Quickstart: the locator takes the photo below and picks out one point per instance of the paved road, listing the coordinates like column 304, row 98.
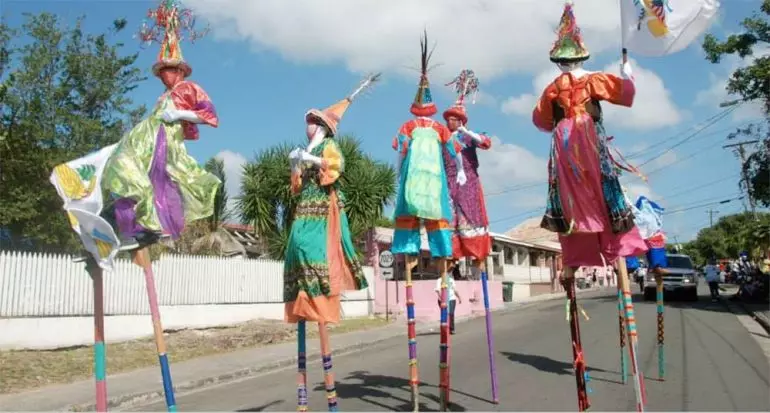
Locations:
column 713, row 364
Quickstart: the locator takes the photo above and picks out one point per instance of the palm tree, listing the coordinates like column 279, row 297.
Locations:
column 208, row 237
column 267, row 203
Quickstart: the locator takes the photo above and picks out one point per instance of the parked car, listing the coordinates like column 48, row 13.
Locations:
column 682, row 278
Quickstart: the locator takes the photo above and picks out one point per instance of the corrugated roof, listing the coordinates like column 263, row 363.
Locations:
column 531, row 232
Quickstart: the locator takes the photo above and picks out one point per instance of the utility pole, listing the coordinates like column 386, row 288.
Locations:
column 741, row 151
column 711, row 213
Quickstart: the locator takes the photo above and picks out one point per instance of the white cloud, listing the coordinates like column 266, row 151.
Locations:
column 233, row 170
column 519, row 105
column 505, row 166
column 637, row 189
column 496, row 37
column 716, row 93
column 653, row 107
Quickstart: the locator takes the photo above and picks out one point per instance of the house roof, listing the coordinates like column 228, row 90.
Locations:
column 385, row 236
column 531, row 232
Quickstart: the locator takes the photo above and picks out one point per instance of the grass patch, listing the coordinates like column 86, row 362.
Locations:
column 28, row 369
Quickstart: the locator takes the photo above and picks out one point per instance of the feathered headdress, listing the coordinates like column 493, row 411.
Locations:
column 423, row 101
column 169, row 21
column 465, row 84
column 569, row 46
column 332, row 115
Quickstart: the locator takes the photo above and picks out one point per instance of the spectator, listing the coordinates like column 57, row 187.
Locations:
column 712, row 277
column 453, row 297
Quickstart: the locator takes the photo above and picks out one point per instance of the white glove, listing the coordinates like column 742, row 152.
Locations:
column 461, row 178
column 294, row 155
column 305, row 156
column 175, row 115
column 625, row 71
column 475, row 136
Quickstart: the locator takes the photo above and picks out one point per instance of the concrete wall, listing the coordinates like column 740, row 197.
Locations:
column 426, row 305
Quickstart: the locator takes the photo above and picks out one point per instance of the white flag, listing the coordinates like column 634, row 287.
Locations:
column 78, row 183
column 662, row 27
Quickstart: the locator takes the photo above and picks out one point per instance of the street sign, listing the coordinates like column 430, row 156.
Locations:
column 386, row 273
column 386, row 259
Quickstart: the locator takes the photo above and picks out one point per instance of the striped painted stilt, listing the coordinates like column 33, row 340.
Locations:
column 142, row 259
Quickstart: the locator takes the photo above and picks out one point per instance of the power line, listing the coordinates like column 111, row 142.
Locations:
column 725, row 201
column 669, row 138
column 692, row 135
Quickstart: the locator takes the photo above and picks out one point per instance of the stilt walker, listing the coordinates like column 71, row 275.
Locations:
column 422, row 199
column 321, row 262
column 470, row 238
column 152, row 186
column 648, row 216
column 585, row 203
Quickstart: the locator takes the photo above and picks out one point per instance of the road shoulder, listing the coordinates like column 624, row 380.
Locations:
column 752, row 323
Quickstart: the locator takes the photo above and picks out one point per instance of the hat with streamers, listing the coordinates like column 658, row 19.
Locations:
column 423, row 101
column 332, row 115
column 168, row 25
column 465, row 84
column 569, row 46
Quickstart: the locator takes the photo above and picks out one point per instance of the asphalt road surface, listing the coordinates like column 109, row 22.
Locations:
column 713, row 364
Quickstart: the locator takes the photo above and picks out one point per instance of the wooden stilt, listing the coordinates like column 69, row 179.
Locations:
column 100, row 350
column 490, row 340
column 411, row 263
column 628, row 305
column 577, row 347
column 444, row 341
column 622, row 325
column 326, row 357
column 660, row 309
column 141, row 257
column 301, row 367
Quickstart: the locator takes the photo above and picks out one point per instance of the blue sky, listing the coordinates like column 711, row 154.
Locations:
column 267, row 62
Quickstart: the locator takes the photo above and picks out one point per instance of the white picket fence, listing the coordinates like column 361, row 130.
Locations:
column 42, row 285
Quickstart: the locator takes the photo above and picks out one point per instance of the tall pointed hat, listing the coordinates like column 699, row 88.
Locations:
column 332, row 115
column 465, row 84
column 569, row 46
column 169, row 20
column 423, row 101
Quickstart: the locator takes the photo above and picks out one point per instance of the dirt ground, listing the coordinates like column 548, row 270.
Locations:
column 24, row 370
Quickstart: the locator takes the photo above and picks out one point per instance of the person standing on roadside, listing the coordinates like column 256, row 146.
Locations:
column 712, row 277
column 452, row 295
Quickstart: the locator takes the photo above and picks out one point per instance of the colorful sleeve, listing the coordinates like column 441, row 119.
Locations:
column 613, row 89
column 453, row 145
column 190, row 96
column 296, row 180
column 401, row 141
column 332, row 163
column 542, row 116
column 485, row 143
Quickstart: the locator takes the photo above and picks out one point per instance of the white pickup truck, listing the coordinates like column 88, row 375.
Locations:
column 682, row 277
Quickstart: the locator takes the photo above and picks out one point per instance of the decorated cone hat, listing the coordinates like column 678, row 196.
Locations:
column 169, row 20
column 569, row 47
column 331, row 116
column 465, row 84
column 423, row 101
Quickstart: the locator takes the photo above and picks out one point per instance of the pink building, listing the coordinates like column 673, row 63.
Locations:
column 531, row 274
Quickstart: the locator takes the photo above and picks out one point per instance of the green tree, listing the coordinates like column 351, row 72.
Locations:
column 221, row 214
column 751, row 83
column 733, row 234
column 267, row 203
column 64, row 93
